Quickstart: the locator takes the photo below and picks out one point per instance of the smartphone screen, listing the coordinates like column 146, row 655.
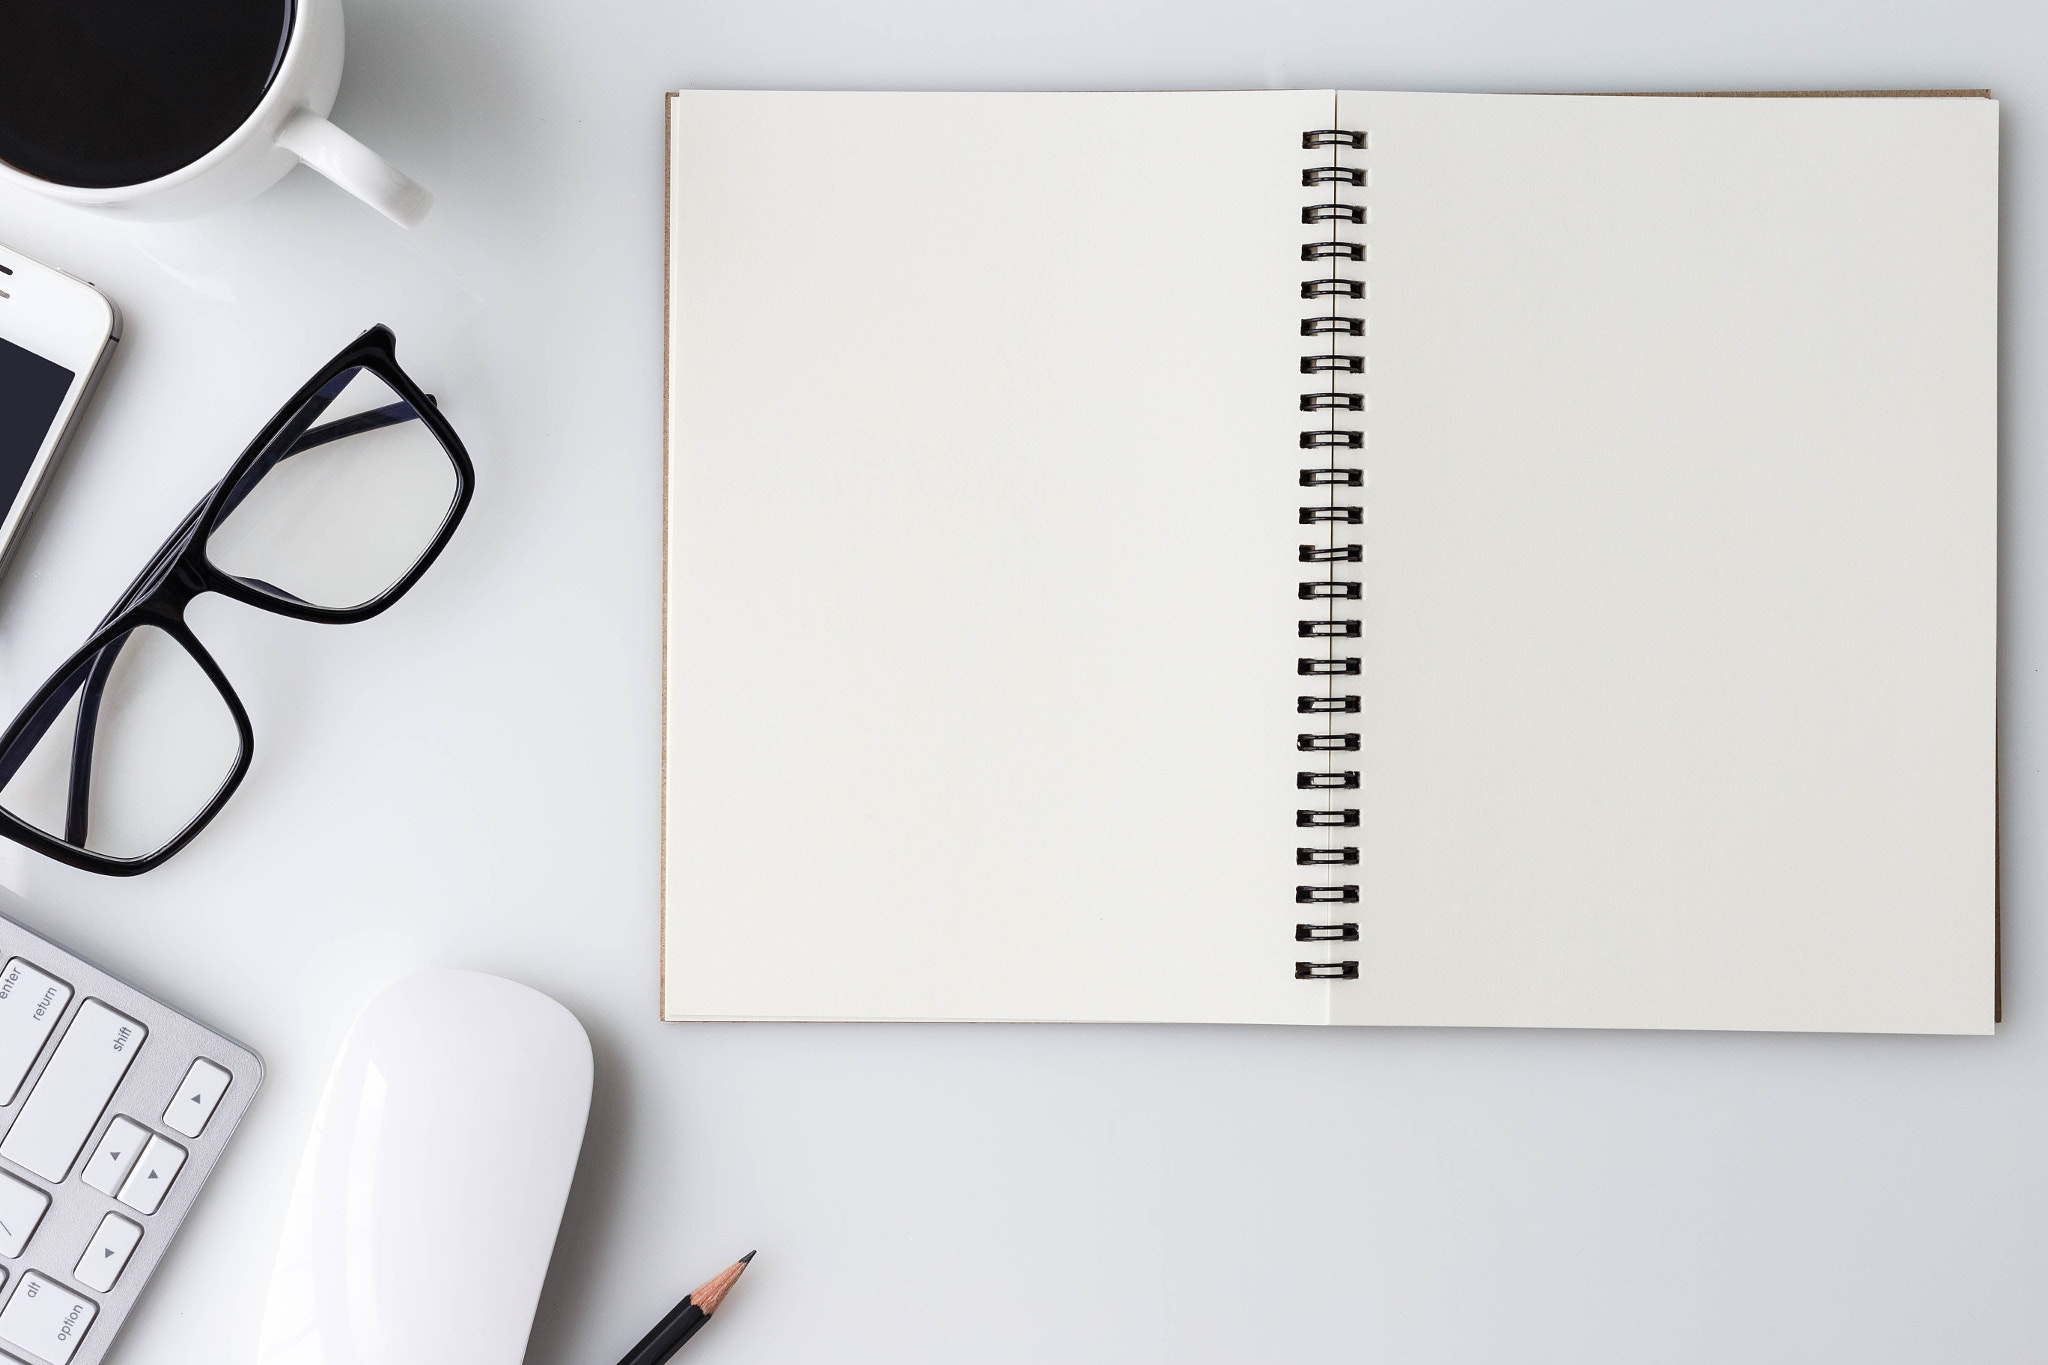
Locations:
column 31, row 391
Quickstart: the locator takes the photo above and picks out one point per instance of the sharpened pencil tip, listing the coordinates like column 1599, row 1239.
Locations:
column 712, row 1292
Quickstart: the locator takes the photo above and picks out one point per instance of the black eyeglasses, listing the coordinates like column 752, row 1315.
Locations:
column 335, row 509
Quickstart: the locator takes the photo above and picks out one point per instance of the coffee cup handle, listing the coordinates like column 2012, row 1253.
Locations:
column 354, row 167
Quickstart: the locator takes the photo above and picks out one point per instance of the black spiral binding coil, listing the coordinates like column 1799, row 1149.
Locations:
column 1331, row 516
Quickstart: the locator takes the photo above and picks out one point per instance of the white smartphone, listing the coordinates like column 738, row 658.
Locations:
column 56, row 333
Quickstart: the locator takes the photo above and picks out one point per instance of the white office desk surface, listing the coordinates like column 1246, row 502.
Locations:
column 472, row 780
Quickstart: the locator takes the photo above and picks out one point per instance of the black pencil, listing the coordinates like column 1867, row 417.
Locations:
column 686, row 1317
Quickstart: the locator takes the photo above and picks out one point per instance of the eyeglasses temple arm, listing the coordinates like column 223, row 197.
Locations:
column 38, row 725
column 373, row 419
column 286, row 440
column 76, row 807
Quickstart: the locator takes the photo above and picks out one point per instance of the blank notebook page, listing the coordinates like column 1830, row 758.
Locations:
column 1679, row 609
column 983, row 417
column 1681, row 625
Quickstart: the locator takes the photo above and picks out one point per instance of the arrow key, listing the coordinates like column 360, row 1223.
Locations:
column 193, row 1105
column 144, row 1188
column 106, row 1256
column 109, row 1163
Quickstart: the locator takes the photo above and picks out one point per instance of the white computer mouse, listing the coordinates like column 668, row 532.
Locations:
column 433, row 1181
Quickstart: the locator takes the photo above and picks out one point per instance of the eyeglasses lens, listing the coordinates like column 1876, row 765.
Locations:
column 157, row 743
column 347, row 499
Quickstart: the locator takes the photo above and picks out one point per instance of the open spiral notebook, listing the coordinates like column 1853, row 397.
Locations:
column 1332, row 558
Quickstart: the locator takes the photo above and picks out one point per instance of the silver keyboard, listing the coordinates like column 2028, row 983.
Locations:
column 116, row 1108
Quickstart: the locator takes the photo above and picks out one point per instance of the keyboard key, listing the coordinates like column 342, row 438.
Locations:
column 106, row 1255
column 145, row 1186
column 204, row 1084
column 31, row 1001
column 21, row 1207
column 46, row 1319
column 73, row 1090
column 109, row 1163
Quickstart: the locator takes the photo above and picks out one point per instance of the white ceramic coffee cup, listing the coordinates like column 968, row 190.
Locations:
column 289, row 126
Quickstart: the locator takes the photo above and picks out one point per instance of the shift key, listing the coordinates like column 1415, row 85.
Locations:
column 73, row 1090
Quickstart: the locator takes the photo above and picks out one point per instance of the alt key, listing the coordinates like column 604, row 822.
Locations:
column 46, row 1319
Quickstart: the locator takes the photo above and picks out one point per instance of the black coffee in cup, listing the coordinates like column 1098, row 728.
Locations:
column 99, row 93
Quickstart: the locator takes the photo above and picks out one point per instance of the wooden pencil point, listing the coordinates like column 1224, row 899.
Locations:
column 712, row 1292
